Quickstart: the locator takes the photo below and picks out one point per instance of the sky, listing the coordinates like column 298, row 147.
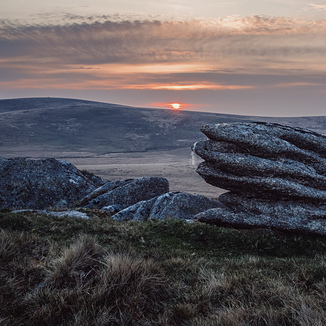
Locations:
column 248, row 57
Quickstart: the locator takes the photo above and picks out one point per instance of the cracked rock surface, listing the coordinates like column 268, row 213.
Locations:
column 274, row 173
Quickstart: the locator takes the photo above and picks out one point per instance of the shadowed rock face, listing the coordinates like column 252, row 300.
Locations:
column 271, row 170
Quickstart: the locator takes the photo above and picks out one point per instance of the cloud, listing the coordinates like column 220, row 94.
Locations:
column 161, row 41
column 317, row 6
column 108, row 52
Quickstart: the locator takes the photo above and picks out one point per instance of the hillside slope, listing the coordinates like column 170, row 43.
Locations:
column 76, row 125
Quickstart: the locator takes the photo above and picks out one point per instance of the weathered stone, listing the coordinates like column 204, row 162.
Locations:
column 244, row 164
column 257, row 186
column 181, row 206
column 72, row 213
column 276, row 175
column 287, row 209
column 264, row 160
column 106, row 187
column 270, row 139
column 137, row 212
column 95, row 179
column 130, row 193
column 112, row 209
column 41, row 184
column 172, row 205
column 229, row 218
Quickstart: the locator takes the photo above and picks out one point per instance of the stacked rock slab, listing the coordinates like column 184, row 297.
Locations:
column 276, row 176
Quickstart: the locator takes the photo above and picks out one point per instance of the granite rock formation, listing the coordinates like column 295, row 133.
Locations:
column 176, row 205
column 103, row 189
column 39, row 184
column 122, row 194
column 276, row 175
column 49, row 183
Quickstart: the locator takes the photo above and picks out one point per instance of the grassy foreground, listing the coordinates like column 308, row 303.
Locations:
column 65, row 271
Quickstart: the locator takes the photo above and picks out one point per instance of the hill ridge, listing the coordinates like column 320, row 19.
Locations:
column 75, row 125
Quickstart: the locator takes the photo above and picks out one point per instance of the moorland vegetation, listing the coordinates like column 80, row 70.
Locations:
column 97, row 271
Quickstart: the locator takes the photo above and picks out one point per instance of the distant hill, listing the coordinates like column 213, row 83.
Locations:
column 77, row 125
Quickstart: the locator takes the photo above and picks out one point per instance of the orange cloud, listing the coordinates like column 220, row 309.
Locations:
column 201, row 86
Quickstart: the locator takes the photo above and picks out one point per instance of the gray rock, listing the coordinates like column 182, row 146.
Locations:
column 95, row 179
column 281, row 208
column 264, row 160
column 72, row 213
column 106, row 187
column 228, row 218
column 137, row 212
column 276, row 175
column 39, row 184
column 176, row 205
column 180, row 206
column 269, row 139
column 130, row 193
column 247, row 165
column 257, row 186
column 112, row 209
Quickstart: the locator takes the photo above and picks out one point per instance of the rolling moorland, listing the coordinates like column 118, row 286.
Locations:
column 66, row 271
column 117, row 142
column 69, row 125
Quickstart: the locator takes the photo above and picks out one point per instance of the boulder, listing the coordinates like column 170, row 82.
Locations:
column 176, row 205
column 137, row 212
column 127, row 193
column 106, row 187
column 276, row 175
column 264, row 160
column 39, row 184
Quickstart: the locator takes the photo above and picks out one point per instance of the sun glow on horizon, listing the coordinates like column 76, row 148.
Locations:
column 175, row 106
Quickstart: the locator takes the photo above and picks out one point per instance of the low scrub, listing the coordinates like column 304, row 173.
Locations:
column 65, row 271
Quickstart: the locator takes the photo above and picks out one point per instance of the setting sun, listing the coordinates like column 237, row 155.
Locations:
column 175, row 106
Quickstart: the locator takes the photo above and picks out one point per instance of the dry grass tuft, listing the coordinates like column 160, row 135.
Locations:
column 89, row 283
column 76, row 264
column 57, row 271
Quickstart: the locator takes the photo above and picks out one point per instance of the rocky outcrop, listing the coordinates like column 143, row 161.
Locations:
column 95, row 179
column 276, row 175
column 39, row 184
column 172, row 205
column 103, row 189
column 122, row 194
column 73, row 213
